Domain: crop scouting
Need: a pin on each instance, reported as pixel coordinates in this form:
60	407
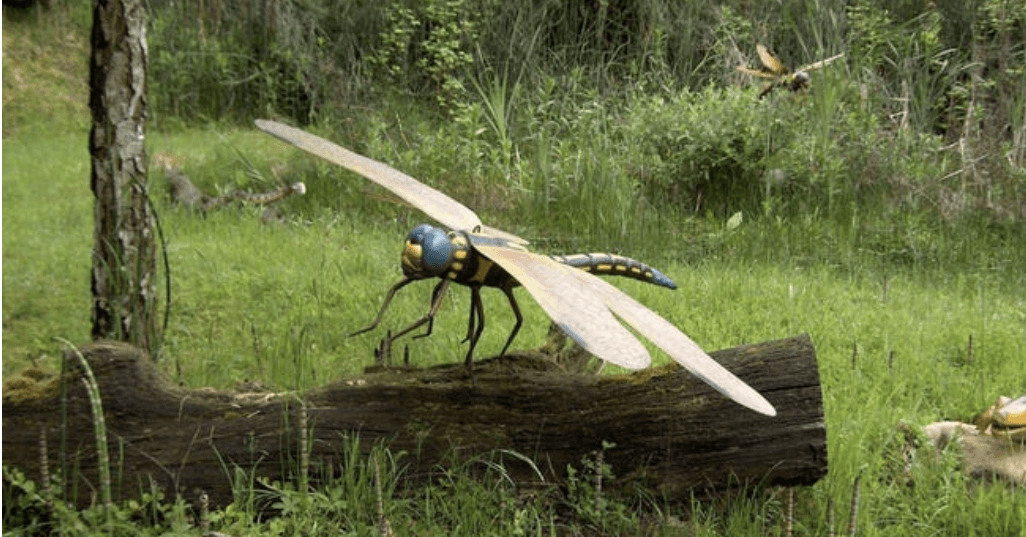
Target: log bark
672	433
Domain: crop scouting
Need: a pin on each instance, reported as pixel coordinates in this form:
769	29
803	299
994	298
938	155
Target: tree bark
124	260
672	433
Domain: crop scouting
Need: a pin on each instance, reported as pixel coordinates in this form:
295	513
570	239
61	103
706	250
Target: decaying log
672	433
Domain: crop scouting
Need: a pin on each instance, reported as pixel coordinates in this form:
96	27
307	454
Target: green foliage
236	59
909	69
425	47
589	504
206	68
882	285
30	511
707	152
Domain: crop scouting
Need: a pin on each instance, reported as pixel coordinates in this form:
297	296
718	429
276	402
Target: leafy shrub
706	151
426	47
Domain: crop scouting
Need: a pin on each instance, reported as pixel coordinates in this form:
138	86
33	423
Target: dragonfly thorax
799	81
429	252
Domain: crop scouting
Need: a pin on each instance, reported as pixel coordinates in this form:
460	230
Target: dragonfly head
428	252
800	80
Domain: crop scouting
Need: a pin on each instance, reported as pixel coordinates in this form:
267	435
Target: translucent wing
435	204
770	61
821	63
581	303
677	345
571	303
761	74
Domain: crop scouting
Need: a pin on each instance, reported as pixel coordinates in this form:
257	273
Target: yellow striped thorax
431	252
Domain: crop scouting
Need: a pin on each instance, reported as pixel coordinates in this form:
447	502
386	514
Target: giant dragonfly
476	255
780	75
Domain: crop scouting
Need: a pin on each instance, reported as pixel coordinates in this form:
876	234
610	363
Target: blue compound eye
436	250
416	236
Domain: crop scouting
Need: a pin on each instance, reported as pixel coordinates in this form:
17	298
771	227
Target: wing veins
677	345
434	203
770	61
568	301
595	301
822	63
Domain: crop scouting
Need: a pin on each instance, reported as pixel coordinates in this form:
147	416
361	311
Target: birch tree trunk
123	264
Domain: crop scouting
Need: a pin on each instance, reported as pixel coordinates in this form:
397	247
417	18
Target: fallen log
671	432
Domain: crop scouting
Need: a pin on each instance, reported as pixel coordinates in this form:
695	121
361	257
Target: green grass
45	68
47	222
274	303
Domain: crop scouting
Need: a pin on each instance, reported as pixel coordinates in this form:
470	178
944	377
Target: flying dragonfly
584	306
780	75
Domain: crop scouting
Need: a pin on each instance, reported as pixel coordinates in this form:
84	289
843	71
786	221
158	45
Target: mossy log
671	432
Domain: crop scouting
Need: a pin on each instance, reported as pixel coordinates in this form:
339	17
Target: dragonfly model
476	255
780	75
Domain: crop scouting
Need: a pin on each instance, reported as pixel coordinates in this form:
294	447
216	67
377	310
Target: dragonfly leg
431	321
436	302
472	321
388	299
475	306
766	91
520	319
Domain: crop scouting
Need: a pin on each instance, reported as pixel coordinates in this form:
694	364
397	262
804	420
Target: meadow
819	213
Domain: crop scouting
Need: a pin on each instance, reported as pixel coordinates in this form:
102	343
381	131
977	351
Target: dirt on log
671	432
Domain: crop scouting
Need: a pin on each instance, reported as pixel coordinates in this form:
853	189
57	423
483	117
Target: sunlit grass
47	225
274	303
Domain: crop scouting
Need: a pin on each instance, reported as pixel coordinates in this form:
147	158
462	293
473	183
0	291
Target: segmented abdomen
615	265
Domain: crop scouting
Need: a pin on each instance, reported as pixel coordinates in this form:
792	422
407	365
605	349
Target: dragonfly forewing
435	204
770	61
761	74
570	302
820	63
583	305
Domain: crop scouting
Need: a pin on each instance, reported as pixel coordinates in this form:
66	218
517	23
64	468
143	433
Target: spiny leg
478	306
388	299
472	321
436	302
434	296
520	318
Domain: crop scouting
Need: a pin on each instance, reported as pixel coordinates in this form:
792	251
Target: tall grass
936	71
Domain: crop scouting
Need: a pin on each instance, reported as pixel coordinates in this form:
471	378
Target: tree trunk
124	261
672	433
